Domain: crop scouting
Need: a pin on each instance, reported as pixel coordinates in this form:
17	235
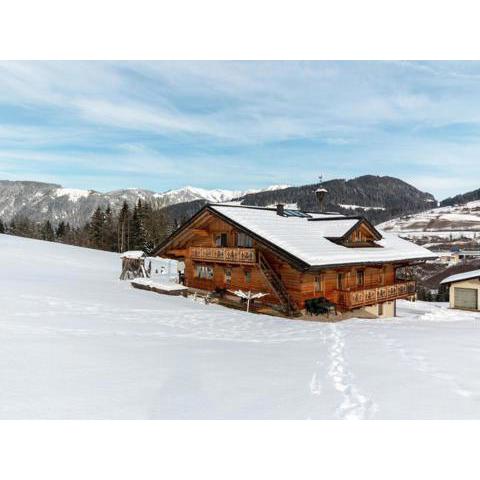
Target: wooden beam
201	232
178	253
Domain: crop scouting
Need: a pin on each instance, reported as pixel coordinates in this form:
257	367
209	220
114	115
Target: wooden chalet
294	256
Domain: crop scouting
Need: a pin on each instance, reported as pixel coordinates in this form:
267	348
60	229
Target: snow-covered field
450	222
78	343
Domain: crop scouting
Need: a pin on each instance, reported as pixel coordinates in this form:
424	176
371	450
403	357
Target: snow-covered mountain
188	194
438	224
41	201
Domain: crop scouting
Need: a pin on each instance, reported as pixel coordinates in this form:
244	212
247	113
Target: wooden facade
220	256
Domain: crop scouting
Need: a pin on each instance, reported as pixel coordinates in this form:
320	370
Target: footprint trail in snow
354	405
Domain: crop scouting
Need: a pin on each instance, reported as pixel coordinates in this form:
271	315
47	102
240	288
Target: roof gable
362	234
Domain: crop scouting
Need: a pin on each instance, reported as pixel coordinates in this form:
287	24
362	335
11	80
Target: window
360	278
204	271
380	309
243	240
228	276
221	240
248	276
340	281
318	285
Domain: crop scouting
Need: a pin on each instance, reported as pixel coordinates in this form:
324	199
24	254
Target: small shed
464	290
133	265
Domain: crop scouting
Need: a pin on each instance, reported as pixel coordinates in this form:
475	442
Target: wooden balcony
224	254
361	297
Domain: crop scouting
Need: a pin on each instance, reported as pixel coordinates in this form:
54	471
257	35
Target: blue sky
162	125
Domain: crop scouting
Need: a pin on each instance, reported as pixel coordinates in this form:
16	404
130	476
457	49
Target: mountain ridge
40	201
378	198
461	198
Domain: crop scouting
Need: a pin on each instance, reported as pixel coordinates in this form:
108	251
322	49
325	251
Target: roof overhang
370	263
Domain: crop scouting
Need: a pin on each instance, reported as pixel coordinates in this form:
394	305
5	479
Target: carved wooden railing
359	297
224	254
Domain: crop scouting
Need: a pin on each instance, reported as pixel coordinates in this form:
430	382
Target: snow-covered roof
461	276
134	254
308	239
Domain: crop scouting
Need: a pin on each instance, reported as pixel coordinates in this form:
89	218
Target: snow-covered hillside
450	222
44	201
79	343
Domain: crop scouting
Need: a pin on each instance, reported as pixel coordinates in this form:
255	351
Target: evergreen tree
141	229
47	232
61	231
23	227
138	237
109	231
157	228
69	235
123	229
97	229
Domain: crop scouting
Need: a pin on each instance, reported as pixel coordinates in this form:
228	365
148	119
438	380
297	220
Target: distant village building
464	290
295	257
462	255
457	256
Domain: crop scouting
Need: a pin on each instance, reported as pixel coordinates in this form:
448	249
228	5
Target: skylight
296	213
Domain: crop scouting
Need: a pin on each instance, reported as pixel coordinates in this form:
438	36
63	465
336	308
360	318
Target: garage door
466	298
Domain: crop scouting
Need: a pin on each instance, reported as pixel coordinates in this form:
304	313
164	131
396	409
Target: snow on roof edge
461	276
133	254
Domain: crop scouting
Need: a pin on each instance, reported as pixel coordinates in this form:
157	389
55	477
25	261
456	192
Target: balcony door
360	278
221	240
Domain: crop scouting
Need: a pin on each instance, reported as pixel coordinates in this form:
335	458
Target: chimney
280	209
320	193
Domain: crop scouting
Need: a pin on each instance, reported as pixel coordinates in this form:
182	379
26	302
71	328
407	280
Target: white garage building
464	290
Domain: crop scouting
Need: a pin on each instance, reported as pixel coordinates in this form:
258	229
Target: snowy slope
446	222
78	343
